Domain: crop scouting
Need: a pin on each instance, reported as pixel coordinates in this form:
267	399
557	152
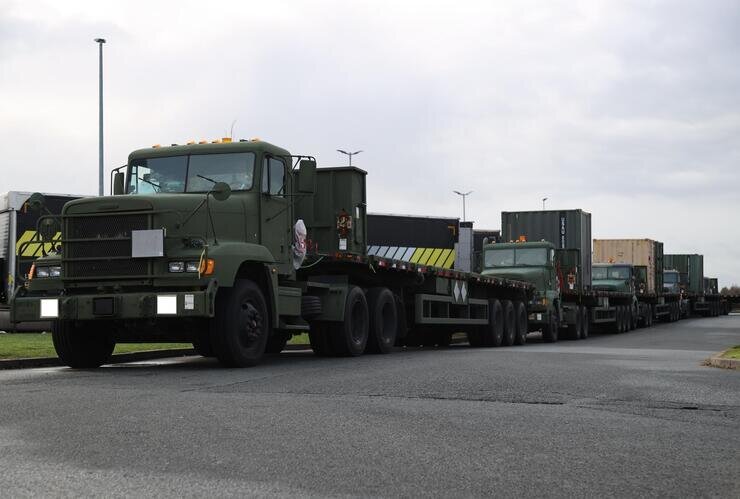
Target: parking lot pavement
615	415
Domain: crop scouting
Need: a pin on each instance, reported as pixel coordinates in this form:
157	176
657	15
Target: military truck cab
532	262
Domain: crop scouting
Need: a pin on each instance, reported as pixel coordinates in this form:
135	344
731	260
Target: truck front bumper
537	314
139	305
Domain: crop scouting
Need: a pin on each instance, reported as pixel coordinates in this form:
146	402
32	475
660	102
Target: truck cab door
276	210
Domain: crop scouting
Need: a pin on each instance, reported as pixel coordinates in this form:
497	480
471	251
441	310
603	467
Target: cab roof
255	146
527	244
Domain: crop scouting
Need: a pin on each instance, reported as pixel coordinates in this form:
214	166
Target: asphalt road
624	415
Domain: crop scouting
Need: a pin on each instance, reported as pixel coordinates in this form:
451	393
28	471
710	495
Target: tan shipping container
634	251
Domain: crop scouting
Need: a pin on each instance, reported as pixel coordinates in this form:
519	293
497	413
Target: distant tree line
732	290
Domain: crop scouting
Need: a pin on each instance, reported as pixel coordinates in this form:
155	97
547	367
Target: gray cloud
630	110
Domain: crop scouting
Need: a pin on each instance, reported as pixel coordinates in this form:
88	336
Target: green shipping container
690	268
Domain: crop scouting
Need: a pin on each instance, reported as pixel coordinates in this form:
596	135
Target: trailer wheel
584	323
277	341
319	336
574	330
492	334
550	330
383	320
349	337
242	325
509	320
522	324
84	345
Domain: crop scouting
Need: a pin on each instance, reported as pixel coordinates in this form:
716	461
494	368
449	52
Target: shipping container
690	269
566	229
643	252
412	238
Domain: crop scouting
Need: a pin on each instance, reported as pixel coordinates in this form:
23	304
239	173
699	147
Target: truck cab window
273	176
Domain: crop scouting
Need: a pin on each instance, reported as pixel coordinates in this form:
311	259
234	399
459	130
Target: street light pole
464	195
543	203
350	154
100	42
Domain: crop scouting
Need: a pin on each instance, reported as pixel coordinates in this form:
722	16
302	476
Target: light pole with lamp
350	154
100	42
464	195
543	203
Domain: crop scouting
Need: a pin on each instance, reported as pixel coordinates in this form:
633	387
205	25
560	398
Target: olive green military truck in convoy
235	247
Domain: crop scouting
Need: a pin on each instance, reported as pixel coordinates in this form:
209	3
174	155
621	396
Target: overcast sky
627	109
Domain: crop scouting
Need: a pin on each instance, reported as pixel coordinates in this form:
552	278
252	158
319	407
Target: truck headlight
42	272
191	266
177	267
55	271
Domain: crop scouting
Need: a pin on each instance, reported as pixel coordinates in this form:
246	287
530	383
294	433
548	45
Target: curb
719	361
120	358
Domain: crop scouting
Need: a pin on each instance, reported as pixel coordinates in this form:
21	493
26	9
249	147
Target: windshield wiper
150	183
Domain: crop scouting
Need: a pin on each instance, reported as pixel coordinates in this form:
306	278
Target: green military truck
698	294
235	247
636	266
552	250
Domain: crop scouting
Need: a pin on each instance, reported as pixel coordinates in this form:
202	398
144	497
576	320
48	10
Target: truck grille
100	246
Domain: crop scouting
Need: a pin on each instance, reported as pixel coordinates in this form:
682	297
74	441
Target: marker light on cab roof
226	140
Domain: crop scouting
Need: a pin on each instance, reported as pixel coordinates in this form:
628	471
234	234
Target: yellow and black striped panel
33	248
434	257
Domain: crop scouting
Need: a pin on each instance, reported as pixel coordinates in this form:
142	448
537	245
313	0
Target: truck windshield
601	273
185	173
670	277
510	257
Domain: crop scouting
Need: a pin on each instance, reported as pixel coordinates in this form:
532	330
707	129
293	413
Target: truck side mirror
307	177
221	191
118	184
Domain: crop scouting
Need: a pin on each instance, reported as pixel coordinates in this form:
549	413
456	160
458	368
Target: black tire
241	326
349	337
633	317
509	320
618	320
311	307
82	345
277	341
585	326
522	323
550	330
442	338
383	320
319	336
574	330
492	334
202	343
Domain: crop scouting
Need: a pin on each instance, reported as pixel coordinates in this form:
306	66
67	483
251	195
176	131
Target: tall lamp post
464	195
350	154
100	42
543	203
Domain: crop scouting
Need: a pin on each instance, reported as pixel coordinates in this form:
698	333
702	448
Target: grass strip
37	345
732	353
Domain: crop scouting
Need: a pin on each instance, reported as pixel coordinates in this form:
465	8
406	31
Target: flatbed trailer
234	248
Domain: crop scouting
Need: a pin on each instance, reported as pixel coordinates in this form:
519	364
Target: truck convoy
236	246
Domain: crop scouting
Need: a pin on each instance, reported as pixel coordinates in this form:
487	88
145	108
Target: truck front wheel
241	325
522	323
82	345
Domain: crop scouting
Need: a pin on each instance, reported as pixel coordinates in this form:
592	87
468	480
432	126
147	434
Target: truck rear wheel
383	320
349	337
574	330
509	320
492	334
242	325
522	324
83	345
550	330
320	339
584	323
